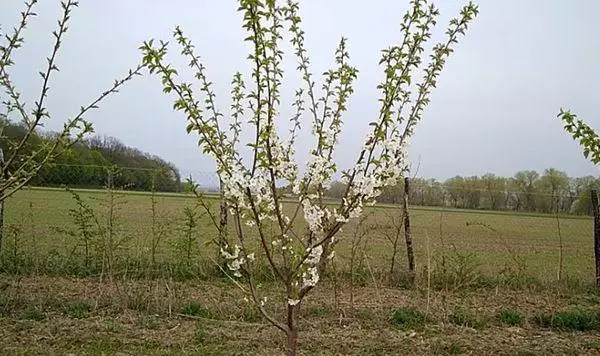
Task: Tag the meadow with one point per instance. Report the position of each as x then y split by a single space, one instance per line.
137 276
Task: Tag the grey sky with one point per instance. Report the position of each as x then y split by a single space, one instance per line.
493 111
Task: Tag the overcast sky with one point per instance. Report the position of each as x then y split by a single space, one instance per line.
494 109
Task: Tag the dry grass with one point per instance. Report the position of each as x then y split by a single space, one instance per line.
158 327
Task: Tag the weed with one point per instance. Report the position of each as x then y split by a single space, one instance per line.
592 345
458 270
510 317
543 320
137 299
33 314
319 311
79 309
463 317
407 318
577 320
84 218
454 348
104 346
150 322
185 245
196 309
112 327
251 315
199 333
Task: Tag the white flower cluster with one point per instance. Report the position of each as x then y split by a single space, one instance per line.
237 181
234 180
314 255
329 136
367 185
319 171
234 259
310 278
283 163
313 215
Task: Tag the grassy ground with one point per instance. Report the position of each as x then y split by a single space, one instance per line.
493 241
492 286
45 315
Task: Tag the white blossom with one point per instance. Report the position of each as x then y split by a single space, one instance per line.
231 256
235 261
313 214
310 278
314 255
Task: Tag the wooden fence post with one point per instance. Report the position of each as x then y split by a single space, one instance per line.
596 211
407 234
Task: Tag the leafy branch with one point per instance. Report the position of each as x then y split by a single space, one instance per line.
579 130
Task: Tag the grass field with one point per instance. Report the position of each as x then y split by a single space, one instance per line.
492 286
493 240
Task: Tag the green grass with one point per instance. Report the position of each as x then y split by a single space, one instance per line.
523 244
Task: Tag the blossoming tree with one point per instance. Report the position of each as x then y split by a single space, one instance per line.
297 253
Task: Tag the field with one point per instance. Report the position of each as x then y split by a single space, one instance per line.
487 283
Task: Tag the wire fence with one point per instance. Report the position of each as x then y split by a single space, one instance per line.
146 220
422 192
160 179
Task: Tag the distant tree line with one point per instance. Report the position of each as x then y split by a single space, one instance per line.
95 161
529 191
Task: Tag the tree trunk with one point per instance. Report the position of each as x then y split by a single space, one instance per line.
292 331
596 211
407 233
292 343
